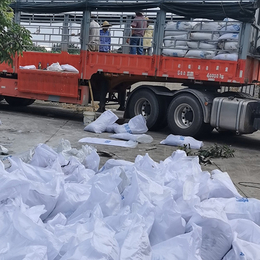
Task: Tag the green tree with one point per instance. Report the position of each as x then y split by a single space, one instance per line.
13 37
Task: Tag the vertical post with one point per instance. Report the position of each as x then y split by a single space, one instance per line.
84 35
159 32
65 34
126 34
244 41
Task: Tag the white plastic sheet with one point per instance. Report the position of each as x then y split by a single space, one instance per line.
103 141
141 138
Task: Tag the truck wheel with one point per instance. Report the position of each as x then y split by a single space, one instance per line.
146 103
185 116
19 102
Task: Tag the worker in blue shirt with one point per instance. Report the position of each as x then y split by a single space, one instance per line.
105 39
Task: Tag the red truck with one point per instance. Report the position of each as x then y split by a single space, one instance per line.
205 46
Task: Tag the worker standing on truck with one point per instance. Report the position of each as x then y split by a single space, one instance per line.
105 39
139 25
93 36
148 36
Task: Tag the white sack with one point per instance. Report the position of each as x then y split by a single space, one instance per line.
43 156
246 243
204 36
200 54
201 45
136 125
185 25
217 235
179 140
111 128
55 67
168 222
208 26
221 186
243 208
21 233
229 37
176 33
243 250
68 67
28 67
99 243
174 52
109 164
101 123
231 28
141 138
185 246
172 41
178 37
226 56
176 28
87 155
231 46
246 230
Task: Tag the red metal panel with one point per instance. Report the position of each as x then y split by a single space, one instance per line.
118 63
48 82
252 69
201 69
33 58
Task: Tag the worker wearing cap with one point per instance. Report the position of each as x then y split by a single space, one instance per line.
139 25
105 39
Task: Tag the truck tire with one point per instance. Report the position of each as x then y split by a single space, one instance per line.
185 116
151 106
19 102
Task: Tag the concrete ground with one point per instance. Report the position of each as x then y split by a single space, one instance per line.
24 128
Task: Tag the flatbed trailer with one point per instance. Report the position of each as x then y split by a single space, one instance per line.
193 110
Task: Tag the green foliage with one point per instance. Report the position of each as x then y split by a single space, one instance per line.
214 151
72 49
13 37
35 48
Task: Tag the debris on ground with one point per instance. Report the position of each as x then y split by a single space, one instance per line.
215 151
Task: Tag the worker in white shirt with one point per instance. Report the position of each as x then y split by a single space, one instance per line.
94 37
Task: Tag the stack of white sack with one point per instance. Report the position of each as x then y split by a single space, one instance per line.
202 39
59 206
228 42
175 41
106 122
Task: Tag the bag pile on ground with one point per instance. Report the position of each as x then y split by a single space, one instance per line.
202 39
62 205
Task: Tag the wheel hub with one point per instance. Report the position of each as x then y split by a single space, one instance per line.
183 116
143 107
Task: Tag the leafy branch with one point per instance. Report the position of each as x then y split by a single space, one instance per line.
214 151
13 37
